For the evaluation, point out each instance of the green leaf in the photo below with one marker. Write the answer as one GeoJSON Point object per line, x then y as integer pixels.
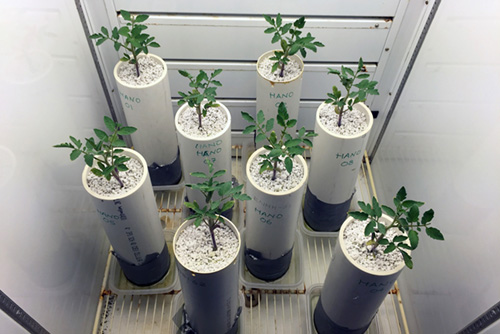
{"type": "Point", "coordinates": [410, 203]}
{"type": "Point", "coordinates": [96, 172]}
{"type": "Point", "coordinates": [413, 236]}
{"type": "Point", "coordinates": [75, 154]}
{"type": "Point", "coordinates": [269, 30]}
{"type": "Point", "coordinates": [141, 18]}
{"type": "Point", "coordinates": [99, 42]}
{"type": "Point", "coordinates": [413, 214]}
{"type": "Point", "coordinates": [120, 143]}
{"type": "Point", "coordinates": [269, 124]}
{"type": "Point", "coordinates": [400, 238]}
{"type": "Point", "coordinates": [110, 124]}
{"type": "Point", "coordinates": [249, 129]}
{"type": "Point", "coordinates": [390, 247]}
{"type": "Point", "coordinates": [126, 130]}
{"type": "Point", "coordinates": [389, 211]}
{"type": "Point", "coordinates": [219, 173]}
{"type": "Point", "coordinates": [401, 195]}
{"type": "Point", "coordinates": [359, 215]}
{"type": "Point", "coordinates": [407, 259]}
{"type": "Point", "coordinates": [428, 216]}
{"type": "Point", "coordinates": [200, 175]}
{"type": "Point", "coordinates": [278, 20]}
{"type": "Point", "coordinates": [260, 137]}
{"type": "Point", "coordinates": [293, 142]}
{"type": "Point", "coordinates": [349, 71]}
{"type": "Point", "coordinates": [365, 208]}
{"type": "Point", "coordinates": [268, 19]}
{"type": "Point", "coordinates": [101, 134]}
{"type": "Point", "coordinates": [260, 117]}
{"type": "Point", "coordinates": [104, 30]}
{"type": "Point", "coordinates": [381, 228]}
{"type": "Point", "coordinates": [377, 211]}
{"type": "Point", "coordinates": [370, 227]}
{"type": "Point", "coordinates": [276, 38]}
{"type": "Point", "coordinates": [228, 205]}
{"type": "Point", "coordinates": [275, 152]}
{"type": "Point", "coordinates": [288, 165]}
{"type": "Point", "coordinates": [184, 73]}
{"type": "Point", "coordinates": [434, 233]}
{"type": "Point", "coordinates": [123, 31]}
{"type": "Point", "coordinates": [125, 15]}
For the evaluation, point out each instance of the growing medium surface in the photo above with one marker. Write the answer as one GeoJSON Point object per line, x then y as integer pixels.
{"type": "Point", "coordinates": [150, 69]}
{"type": "Point", "coordinates": [283, 182]}
{"type": "Point", "coordinates": [353, 122]}
{"type": "Point", "coordinates": [130, 179]}
{"type": "Point", "coordinates": [355, 242]}
{"type": "Point", "coordinates": [213, 123]}
{"type": "Point", "coordinates": [194, 248]}
{"type": "Point", "coordinates": [292, 70]}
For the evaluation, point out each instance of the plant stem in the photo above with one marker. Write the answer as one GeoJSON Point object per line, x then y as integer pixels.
{"type": "Point", "coordinates": [115, 175]}
{"type": "Point", "coordinates": [211, 228]}
{"type": "Point", "coordinates": [198, 111]}
{"type": "Point", "coordinates": [382, 235]}
{"type": "Point", "coordinates": [282, 72]}
{"type": "Point", "coordinates": [275, 169]}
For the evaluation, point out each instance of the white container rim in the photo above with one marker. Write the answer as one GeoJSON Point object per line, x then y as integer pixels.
{"type": "Point", "coordinates": [269, 192]}
{"type": "Point", "coordinates": [203, 139]}
{"type": "Point", "coordinates": [361, 107]}
{"type": "Point", "coordinates": [159, 79]}
{"type": "Point", "coordinates": [234, 257]}
{"type": "Point", "coordinates": [295, 57]}
{"type": "Point", "coordinates": [130, 153]}
{"type": "Point", "coordinates": [341, 241]}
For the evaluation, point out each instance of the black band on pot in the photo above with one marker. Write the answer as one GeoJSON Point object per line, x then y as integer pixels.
{"type": "Point", "coordinates": [324, 217]}
{"type": "Point", "coordinates": [152, 271]}
{"type": "Point", "coordinates": [266, 269]}
{"type": "Point", "coordinates": [325, 325]}
{"type": "Point", "coordinates": [166, 175]}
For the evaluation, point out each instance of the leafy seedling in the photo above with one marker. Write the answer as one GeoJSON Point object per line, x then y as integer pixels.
{"type": "Point", "coordinates": [105, 152]}
{"type": "Point", "coordinates": [130, 37]}
{"type": "Point", "coordinates": [290, 40]}
{"type": "Point", "coordinates": [202, 90]}
{"type": "Point", "coordinates": [406, 218]}
{"type": "Point", "coordinates": [210, 213]}
{"type": "Point", "coordinates": [284, 148]}
{"type": "Point", "coordinates": [347, 77]}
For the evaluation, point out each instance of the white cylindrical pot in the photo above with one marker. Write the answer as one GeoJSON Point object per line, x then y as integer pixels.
{"type": "Point", "coordinates": [271, 222]}
{"type": "Point", "coordinates": [133, 228]}
{"type": "Point", "coordinates": [194, 150]}
{"type": "Point", "coordinates": [271, 93]}
{"type": "Point", "coordinates": [334, 167]}
{"type": "Point", "coordinates": [210, 299]}
{"type": "Point", "coordinates": [149, 108]}
{"type": "Point", "coordinates": [351, 294]}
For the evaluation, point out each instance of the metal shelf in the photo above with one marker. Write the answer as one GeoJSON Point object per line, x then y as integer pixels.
{"type": "Point", "coordinates": [265, 310]}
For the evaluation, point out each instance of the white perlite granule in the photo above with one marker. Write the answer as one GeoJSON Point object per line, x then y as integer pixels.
{"type": "Point", "coordinates": [130, 179]}
{"type": "Point", "coordinates": [292, 70]}
{"type": "Point", "coordinates": [213, 123]}
{"type": "Point", "coordinates": [149, 69]}
{"type": "Point", "coordinates": [283, 182]}
{"type": "Point", "coordinates": [355, 242]}
{"type": "Point", "coordinates": [194, 249]}
{"type": "Point", "coordinates": [353, 122]}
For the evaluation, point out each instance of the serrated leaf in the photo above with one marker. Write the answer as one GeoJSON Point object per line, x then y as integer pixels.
{"type": "Point", "coordinates": [200, 175]}
{"type": "Point", "coordinates": [427, 216]}
{"type": "Point", "coordinates": [260, 117]}
{"type": "Point", "coordinates": [366, 208]}
{"type": "Point", "coordinates": [268, 19]}
{"type": "Point", "coordinates": [228, 205]}
{"type": "Point", "coordinates": [413, 236]}
{"type": "Point", "coordinates": [293, 142]}
{"type": "Point", "coordinates": [381, 228]}
{"type": "Point", "coordinates": [370, 227]}
{"type": "Point", "coordinates": [401, 195]}
{"type": "Point", "coordinates": [125, 15]}
{"type": "Point", "coordinates": [412, 215]}
{"type": "Point", "coordinates": [389, 211]}
{"type": "Point", "coordinates": [270, 30]}
{"type": "Point", "coordinates": [377, 210]}
{"type": "Point", "coordinates": [75, 154]}
{"type": "Point", "coordinates": [276, 38]}
{"type": "Point", "coordinates": [359, 215]}
{"type": "Point", "coordinates": [409, 203]}
{"type": "Point", "coordinates": [260, 137]}
{"type": "Point", "coordinates": [269, 124]}
{"type": "Point", "coordinates": [434, 233]}
{"type": "Point", "coordinates": [407, 259]}
{"type": "Point", "coordinates": [390, 247]}
{"type": "Point", "coordinates": [110, 124]}
{"type": "Point", "coordinates": [126, 130]}
{"type": "Point", "coordinates": [400, 238]}
{"type": "Point", "coordinates": [141, 18]}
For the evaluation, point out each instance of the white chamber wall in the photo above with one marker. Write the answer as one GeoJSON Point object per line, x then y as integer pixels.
{"type": "Point", "coordinates": [53, 248]}
{"type": "Point", "coordinates": [443, 145]}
